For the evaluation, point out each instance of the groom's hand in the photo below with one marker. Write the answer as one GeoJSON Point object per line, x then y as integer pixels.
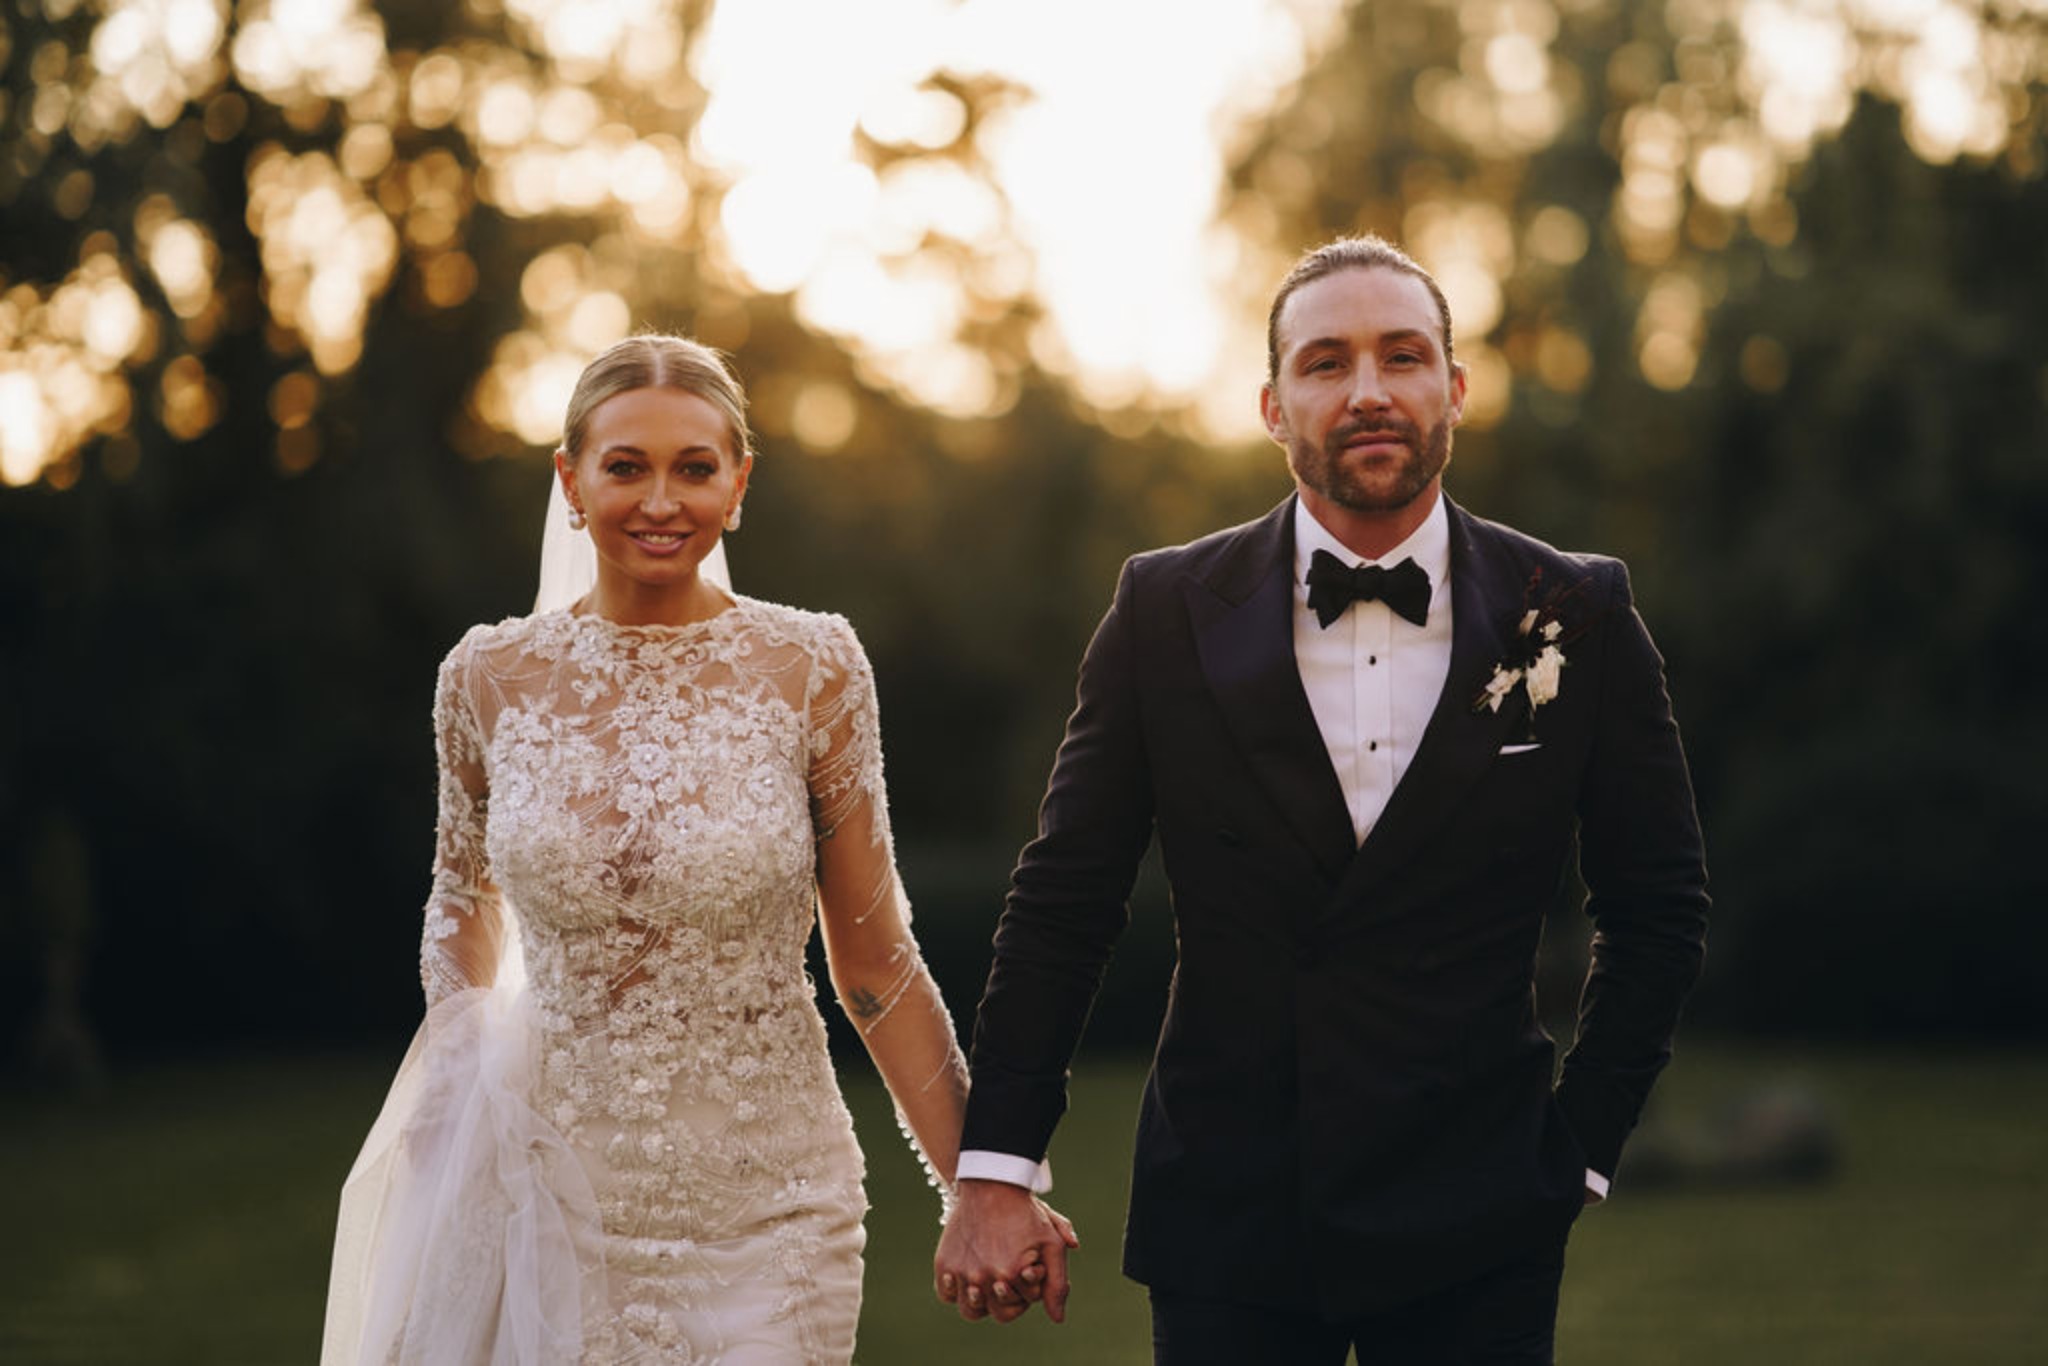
{"type": "Point", "coordinates": [1002, 1249]}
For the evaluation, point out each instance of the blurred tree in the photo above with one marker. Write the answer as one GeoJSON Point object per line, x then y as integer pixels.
{"type": "Point", "coordinates": [279, 285]}
{"type": "Point", "coordinates": [1871, 510]}
{"type": "Point", "coordinates": [291, 297]}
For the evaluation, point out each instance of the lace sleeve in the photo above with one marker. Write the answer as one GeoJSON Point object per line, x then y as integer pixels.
{"type": "Point", "coordinates": [464, 921]}
{"type": "Point", "coordinates": [877, 971]}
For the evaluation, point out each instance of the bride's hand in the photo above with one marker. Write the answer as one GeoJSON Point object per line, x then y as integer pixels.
{"type": "Point", "coordinates": [1027, 1287]}
{"type": "Point", "coordinates": [1003, 1249]}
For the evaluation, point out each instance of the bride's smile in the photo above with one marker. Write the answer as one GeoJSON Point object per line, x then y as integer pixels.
{"type": "Point", "coordinates": [657, 476]}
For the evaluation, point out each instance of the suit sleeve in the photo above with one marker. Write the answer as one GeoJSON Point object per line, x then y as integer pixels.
{"type": "Point", "coordinates": [1068, 902]}
{"type": "Point", "coordinates": [1645, 870]}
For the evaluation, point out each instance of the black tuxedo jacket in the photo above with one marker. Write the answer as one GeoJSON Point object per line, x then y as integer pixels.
{"type": "Point", "coordinates": [1352, 1102]}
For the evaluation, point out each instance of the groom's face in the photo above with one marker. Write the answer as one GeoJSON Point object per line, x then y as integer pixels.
{"type": "Point", "coordinates": [1365, 398]}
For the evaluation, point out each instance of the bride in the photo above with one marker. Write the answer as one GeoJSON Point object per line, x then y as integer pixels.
{"type": "Point", "coordinates": [617, 1137]}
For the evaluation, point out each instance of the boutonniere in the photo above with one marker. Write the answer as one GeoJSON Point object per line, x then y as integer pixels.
{"type": "Point", "coordinates": [1536, 660]}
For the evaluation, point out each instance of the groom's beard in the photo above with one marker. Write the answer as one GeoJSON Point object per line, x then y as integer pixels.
{"type": "Point", "coordinates": [1325, 468]}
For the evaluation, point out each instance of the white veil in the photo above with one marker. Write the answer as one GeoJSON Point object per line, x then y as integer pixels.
{"type": "Point", "coordinates": [568, 562]}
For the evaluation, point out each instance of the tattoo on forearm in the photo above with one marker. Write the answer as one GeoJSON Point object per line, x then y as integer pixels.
{"type": "Point", "coordinates": [863, 1004]}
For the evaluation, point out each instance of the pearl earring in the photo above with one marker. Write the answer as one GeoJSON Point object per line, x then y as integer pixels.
{"type": "Point", "coordinates": [577, 521]}
{"type": "Point", "coordinates": [732, 518]}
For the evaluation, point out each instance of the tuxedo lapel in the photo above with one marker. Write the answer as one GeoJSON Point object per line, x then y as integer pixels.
{"type": "Point", "coordinates": [1459, 743]}
{"type": "Point", "coordinates": [1242, 615]}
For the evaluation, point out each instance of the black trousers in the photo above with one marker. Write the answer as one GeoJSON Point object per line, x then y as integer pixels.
{"type": "Point", "coordinates": [1506, 1317]}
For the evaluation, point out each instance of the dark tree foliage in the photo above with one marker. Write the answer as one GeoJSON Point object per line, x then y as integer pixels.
{"type": "Point", "coordinates": [217, 650]}
{"type": "Point", "coordinates": [217, 653]}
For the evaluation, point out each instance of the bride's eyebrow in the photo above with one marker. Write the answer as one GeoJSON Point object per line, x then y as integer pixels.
{"type": "Point", "coordinates": [627, 448]}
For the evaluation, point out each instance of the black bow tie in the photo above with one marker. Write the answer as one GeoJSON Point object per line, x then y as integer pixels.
{"type": "Point", "coordinates": [1334, 586]}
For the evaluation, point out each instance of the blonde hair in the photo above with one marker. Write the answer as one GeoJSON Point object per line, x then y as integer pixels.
{"type": "Point", "coordinates": [657, 360]}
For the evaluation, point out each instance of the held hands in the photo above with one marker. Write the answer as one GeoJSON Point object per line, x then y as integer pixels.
{"type": "Point", "coordinates": [1003, 1250]}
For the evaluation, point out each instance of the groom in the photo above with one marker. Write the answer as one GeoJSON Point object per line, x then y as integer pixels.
{"type": "Point", "coordinates": [1371, 732]}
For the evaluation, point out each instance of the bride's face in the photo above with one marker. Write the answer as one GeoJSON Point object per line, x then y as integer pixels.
{"type": "Point", "coordinates": [656, 478]}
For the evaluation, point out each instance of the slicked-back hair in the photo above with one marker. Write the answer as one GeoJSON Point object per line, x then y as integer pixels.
{"type": "Point", "coordinates": [1369, 252]}
{"type": "Point", "coordinates": [658, 360]}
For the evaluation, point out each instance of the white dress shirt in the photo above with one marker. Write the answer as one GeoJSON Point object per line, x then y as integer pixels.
{"type": "Point", "coordinates": [1373, 679]}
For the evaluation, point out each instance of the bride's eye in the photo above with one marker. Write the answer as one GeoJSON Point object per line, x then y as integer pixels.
{"type": "Point", "coordinates": [619, 469]}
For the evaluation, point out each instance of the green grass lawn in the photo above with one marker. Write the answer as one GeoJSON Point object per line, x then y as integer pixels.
{"type": "Point", "coordinates": [187, 1218]}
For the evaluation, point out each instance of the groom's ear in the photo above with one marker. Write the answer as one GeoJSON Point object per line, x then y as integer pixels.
{"type": "Point", "coordinates": [1271, 413]}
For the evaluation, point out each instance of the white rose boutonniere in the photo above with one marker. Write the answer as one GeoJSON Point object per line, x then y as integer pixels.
{"type": "Point", "coordinates": [1499, 686]}
{"type": "Point", "coordinates": [1537, 659]}
{"type": "Point", "coordinates": [1542, 679]}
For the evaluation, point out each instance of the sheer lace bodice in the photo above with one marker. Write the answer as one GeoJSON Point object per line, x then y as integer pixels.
{"type": "Point", "coordinates": [664, 810]}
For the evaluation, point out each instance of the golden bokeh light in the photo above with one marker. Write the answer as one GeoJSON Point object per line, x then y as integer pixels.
{"type": "Point", "coordinates": [1094, 193]}
{"type": "Point", "coordinates": [575, 301]}
{"type": "Point", "coordinates": [527, 388]}
{"type": "Point", "coordinates": [897, 307]}
{"type": "Point", "coordinates": [61, 368]}
{"type": "Point", "coordinates": [1556, 236]}
{"type": "Point", "coordinates": [924, 118]}
{"type": "Point", "coordinates": [181, 255]}
{"type": "Point", "coordinates": [1488, 387]}
{"type": "Point", "coordinates": [840, 171]}
{"type": "Point", "coordinates": [823, 416]}
{"type": "Point", "coordinates": [28, 429]}
{"type": "Point", "coordinates": [365, 151]}
{"type": "Point", "coordinates": [1727, 174]}
{"type": "Point", "coordinates": [551, 280]}
{"type": "Point", "coordinates": [503, 116]}
{"type": "Point", "coordinates": [74, 194]}
{"type": "Point", "coordinates": [188, 400]}
{"type": "Point", "coordinates": [327, 251]}
{"type": "Point", "coordinates": [154, 56]}
{"type": "Point", "coordinates": [780, 225]}
{"type": "Point", "coordinates": [638, 38]}
{"type": "Point", "coordinates": [293, 399]}
{"type": "Point", "coordinates": [1668, 330]}
{"type": "Point", "coordinates": [448, 279]}
{"type": "Point", "coordinates": [286, 50]}
{"type": "Point", "coordinates": [597, 320]}
{"type": "Point", "coordinates": [1667, 360]}
{"type": "Point", "coordinates": [1563, 360]}
{"type": "Point", "coordinates": [1469, 245]}
{"type": "Point", "coordinates": [435, 89]}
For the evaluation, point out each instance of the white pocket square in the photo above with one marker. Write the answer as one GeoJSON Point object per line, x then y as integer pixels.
{"type": "Point", "coordinates": [1519, 749]}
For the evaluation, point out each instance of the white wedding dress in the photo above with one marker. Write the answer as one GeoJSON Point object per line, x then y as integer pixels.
{"type": "Point", "coordinates": [634, 1149]}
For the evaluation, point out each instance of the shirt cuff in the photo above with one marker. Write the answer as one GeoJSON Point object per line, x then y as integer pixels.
{"type": "Point", "coordinates": [1596, 1184]}
{"type": "Point", "coordinates": [979, 1165]}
